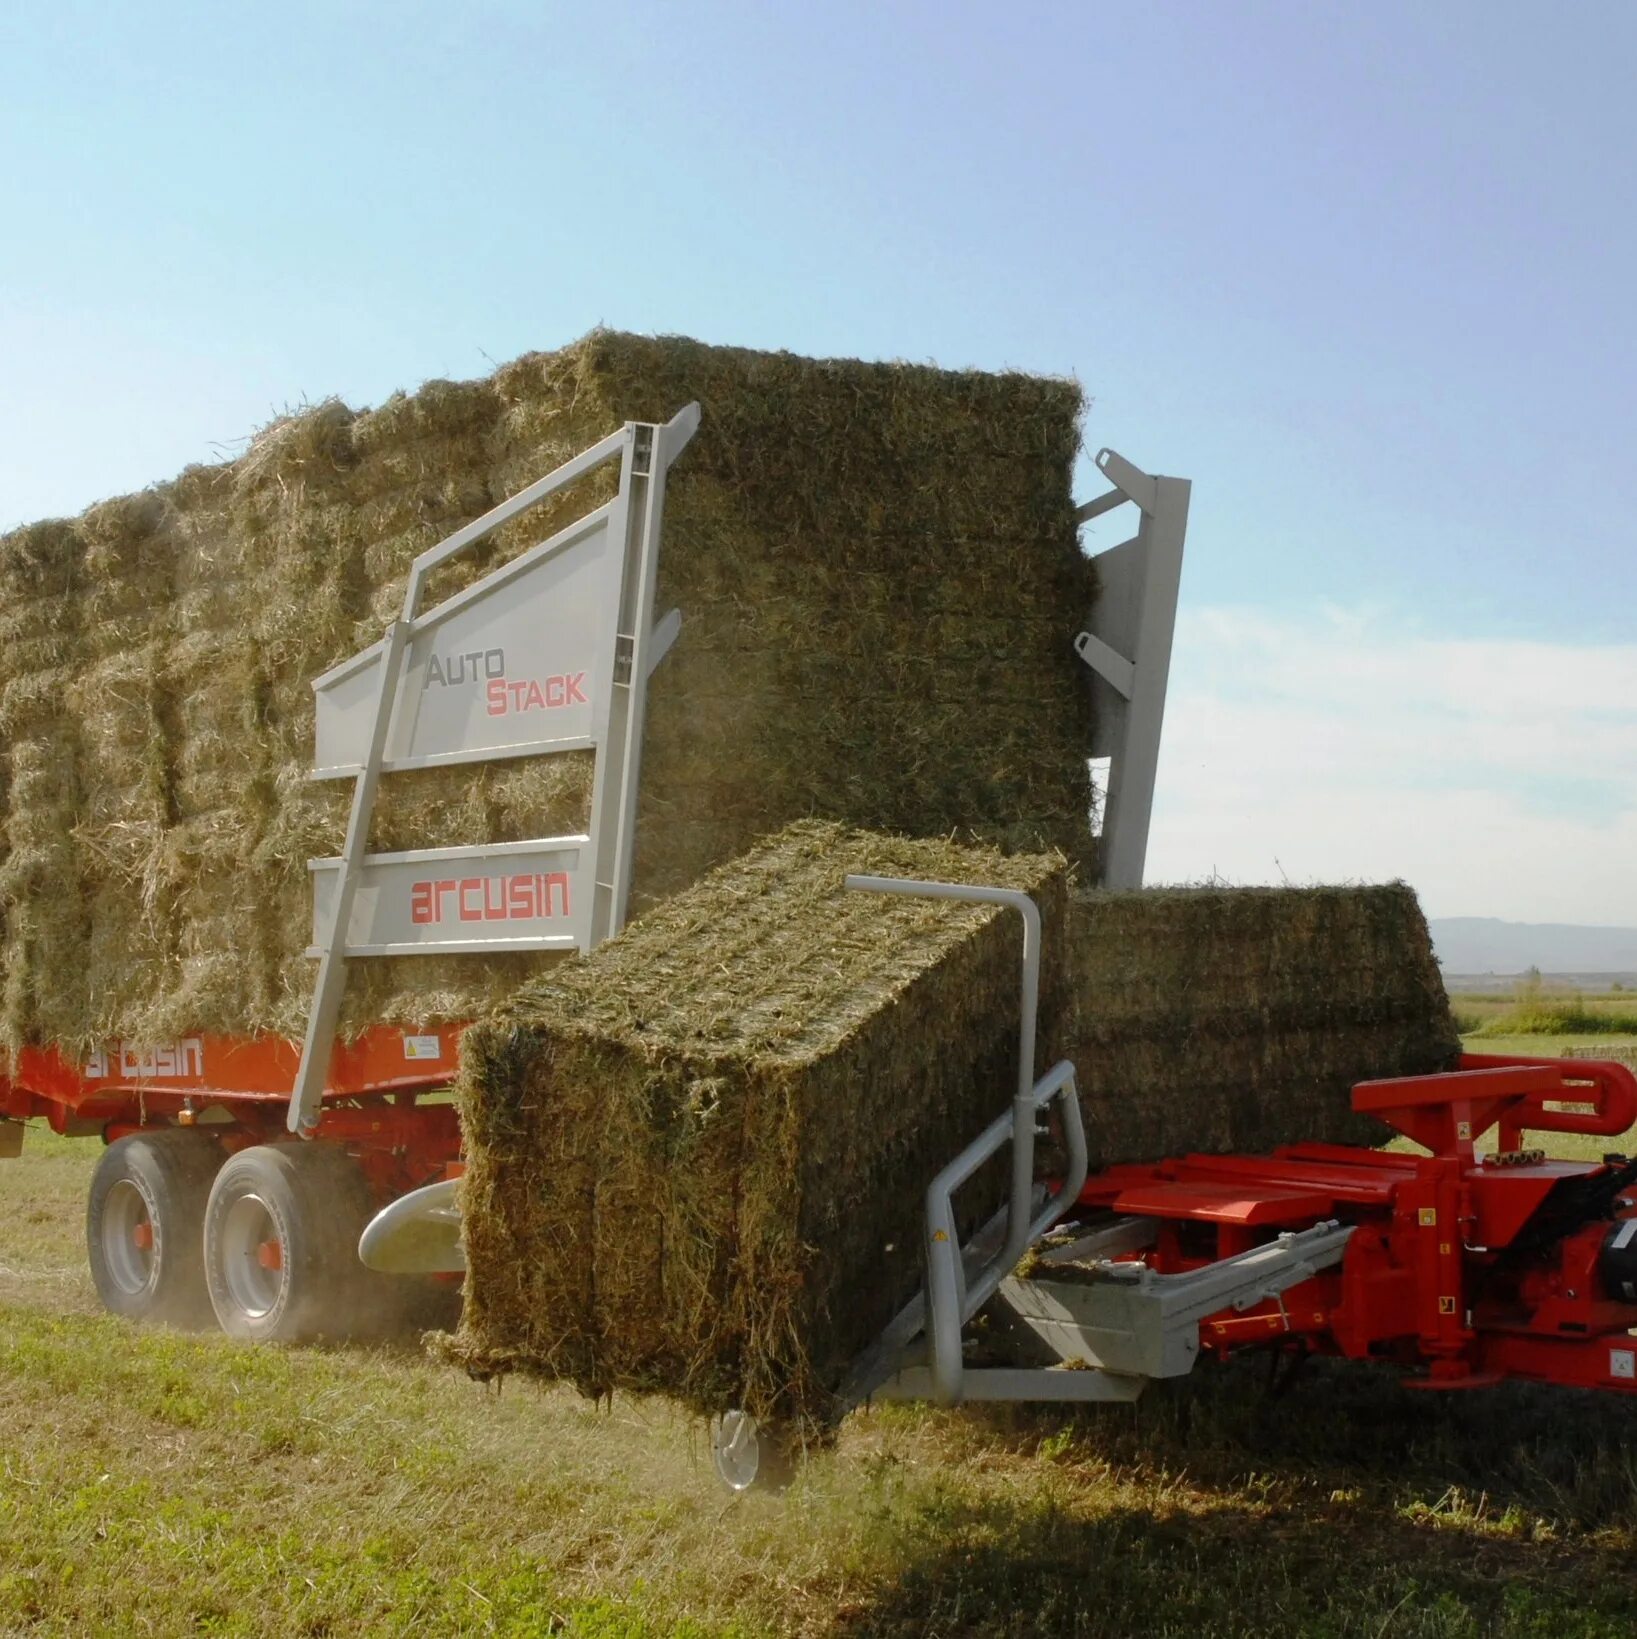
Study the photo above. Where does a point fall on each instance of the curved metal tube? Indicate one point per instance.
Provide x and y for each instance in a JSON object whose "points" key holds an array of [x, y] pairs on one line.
{"points": [[1613, 1095], [418, 1234], [951, 1301], [1017, 900]]}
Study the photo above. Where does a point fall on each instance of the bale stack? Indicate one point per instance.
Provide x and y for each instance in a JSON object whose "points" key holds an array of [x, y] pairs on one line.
{"points": [[214, 713], [1240, 1018], [880, 580], [115, 699], [879, 576], [47, 923], [696, 1159]]}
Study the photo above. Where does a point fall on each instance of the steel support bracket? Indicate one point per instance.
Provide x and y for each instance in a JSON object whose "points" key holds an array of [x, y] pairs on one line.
{"points": [[1127, 646]]}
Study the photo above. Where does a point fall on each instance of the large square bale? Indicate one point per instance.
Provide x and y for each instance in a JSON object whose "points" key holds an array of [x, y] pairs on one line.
{"points": [[697, 1158], [880, 579], [1220, 1019]]}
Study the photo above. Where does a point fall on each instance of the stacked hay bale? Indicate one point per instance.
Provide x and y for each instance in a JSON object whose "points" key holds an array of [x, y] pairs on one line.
{"points": [[1240, 1018], [126, 802], [47, 923], [696, 1160], [880, 579], [878, 573], [215, 713]]}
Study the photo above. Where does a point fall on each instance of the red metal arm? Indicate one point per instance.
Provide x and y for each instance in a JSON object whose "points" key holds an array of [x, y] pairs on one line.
{"points": [[1448, 1111], [1610, 1088]]}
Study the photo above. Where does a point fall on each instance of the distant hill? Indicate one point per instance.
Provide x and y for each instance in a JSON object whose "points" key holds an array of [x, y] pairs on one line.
{"points": [[1485, 944]]}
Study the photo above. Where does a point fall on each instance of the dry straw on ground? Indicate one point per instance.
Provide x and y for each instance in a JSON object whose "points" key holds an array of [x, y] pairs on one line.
{"points": [[696, 1160], [879, 573]]}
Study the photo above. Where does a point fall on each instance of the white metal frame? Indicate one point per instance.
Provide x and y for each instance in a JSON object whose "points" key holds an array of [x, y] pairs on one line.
{"points": [[376, 686], [1131, 1325], [959, 1282], [1127, 645]]}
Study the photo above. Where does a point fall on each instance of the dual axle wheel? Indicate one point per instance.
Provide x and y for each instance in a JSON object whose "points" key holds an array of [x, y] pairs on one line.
{"points": [[142, 1223], [265, 1242]]}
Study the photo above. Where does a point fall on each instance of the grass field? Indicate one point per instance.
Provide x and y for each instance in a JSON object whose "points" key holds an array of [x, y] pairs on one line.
{"points": [[1534, 1009], [159, 1483], [1547, 1046]]}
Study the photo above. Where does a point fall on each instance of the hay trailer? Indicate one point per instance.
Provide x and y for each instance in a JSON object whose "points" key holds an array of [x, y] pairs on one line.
{"points": [[1461, 1269], [201, 1205], [205, 1204]]}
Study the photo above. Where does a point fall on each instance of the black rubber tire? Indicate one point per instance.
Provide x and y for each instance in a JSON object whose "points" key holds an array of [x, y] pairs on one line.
{"points": [[311, 1201], [165, 1176]]}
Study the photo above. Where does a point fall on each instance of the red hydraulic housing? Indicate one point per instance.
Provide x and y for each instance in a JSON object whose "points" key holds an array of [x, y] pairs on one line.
{"points": [[1468, 1267]]}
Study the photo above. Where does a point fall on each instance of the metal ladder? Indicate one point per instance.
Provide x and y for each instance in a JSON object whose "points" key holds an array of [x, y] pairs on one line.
{"points": [[549, 653]]}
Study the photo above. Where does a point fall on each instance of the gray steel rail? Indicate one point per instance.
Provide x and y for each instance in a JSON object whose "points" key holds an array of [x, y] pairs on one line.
{"points": [[1127, 645], [618, 543], [952, 1295]]}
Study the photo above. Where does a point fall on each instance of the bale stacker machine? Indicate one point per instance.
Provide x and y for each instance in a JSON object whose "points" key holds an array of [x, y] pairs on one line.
{"points": [[1460, 1266], [244, 1174], [241, 1171]]}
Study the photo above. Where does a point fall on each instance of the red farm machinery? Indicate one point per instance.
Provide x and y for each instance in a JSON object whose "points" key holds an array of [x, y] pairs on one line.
{"points": [[243, 1174], [241, 1171], [1463, 1268]]}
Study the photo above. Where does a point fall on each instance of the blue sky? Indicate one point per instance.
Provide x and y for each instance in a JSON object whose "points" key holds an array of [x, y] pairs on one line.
{"points": [[1364, 274]]}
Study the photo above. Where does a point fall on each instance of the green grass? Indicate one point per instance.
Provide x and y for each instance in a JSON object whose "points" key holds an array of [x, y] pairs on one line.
{"points": [[1535, 1009], [1531, 1046], [1557, 1019], [153, 1482]]}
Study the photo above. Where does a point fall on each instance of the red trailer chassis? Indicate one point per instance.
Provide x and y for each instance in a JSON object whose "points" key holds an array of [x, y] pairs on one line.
{"points": [[1464, 1266], [239, 1088], [1468, 1267], [202, 1209]]}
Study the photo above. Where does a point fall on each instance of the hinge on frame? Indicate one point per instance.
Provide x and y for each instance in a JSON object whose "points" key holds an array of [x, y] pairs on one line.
{"points": [[625, 650], [642, 451]]}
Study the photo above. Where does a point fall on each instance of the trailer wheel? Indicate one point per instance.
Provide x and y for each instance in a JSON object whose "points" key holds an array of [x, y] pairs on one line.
{"points": [[142, 1225], [281, 1243]]}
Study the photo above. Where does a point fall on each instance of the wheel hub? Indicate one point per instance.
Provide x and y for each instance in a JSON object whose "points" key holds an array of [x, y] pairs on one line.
{"points": [[128, 1238], [252, 1256]]}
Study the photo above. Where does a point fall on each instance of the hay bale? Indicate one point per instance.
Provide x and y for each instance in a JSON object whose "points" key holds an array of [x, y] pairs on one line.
{"points": [[880, 577], [47, 918], [1221, 1019], [696, 1159]]}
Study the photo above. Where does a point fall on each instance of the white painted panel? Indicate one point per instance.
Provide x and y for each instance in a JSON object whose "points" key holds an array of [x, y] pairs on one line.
{"points": [[507, 668], [498, 896]]}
